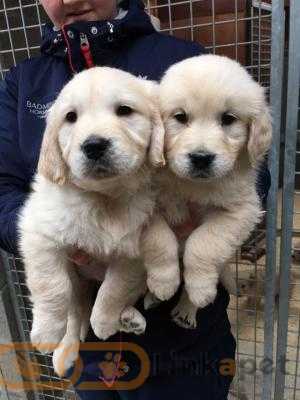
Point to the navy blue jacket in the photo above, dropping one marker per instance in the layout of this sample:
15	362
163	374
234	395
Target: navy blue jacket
130	44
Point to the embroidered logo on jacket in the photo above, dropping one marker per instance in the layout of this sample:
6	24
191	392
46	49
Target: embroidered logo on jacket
38	109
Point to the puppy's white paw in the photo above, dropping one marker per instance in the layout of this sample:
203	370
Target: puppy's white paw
103	330
150	301
132	321
45	337
185	317
64	357
165	283
104	326
184	314
201	293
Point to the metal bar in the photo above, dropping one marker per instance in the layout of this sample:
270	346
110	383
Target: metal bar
288	192
277	54
18	49
255	303
39	16
24	29
192	19
213	19
297	361
259	41
1	69
9	32
251	37
170	17
255	328
237	330
15	8
19	28
236	28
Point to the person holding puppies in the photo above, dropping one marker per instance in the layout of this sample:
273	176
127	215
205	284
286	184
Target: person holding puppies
87	33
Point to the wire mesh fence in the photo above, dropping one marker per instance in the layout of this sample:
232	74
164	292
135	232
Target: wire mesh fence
38	366
244	30
20	31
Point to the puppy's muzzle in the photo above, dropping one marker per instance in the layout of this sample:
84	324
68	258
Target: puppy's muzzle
95	148
201	162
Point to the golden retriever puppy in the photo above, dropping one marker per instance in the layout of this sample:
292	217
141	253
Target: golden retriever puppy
93	192
218	130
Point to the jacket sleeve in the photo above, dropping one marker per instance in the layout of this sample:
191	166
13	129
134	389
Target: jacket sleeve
263	183
14	180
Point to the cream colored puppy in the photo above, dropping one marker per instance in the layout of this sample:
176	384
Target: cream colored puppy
92	191
218	130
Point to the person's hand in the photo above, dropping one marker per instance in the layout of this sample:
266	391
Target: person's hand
79	257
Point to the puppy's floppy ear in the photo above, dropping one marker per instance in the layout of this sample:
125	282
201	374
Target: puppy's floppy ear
260	136
51	164
156	151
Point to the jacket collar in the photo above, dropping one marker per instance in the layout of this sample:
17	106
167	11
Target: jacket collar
104	37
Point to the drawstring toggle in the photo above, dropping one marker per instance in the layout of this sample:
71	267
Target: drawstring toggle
86	51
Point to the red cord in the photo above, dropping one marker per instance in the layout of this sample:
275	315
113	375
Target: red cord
85	50
69	50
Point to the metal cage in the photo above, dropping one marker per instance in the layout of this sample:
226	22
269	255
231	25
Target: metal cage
263	36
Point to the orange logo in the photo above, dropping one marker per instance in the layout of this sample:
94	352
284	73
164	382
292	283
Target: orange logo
111	368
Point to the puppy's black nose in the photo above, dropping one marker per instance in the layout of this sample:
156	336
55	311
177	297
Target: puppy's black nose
201	160
95	147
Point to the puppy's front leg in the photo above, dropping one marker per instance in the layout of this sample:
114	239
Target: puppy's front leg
66	353
159	249
212	245
48	274
124	283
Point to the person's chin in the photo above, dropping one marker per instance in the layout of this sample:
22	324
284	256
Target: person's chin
89	16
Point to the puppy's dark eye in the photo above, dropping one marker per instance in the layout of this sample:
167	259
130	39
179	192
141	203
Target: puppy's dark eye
123	111
71	117
228	119
181	117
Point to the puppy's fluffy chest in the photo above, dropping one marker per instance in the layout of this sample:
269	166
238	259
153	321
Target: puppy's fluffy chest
181	200
100	225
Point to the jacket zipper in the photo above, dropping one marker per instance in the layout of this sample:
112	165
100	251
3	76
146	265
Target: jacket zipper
111	31
86	51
